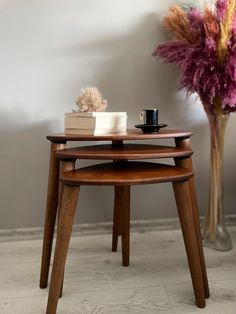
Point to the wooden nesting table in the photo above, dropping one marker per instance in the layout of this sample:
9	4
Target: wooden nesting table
118	148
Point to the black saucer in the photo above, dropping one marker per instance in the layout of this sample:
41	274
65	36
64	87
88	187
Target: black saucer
146	128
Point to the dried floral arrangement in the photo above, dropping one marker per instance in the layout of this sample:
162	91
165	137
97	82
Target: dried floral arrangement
204	48
90	100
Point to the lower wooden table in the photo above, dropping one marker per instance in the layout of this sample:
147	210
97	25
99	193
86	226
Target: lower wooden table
118	147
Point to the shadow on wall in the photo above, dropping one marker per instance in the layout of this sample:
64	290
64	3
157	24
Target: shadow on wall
24	166
130	78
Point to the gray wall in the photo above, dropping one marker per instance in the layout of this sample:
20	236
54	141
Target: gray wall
49	51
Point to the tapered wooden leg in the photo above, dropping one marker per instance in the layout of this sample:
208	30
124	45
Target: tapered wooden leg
67	165
69	202
187	163
125	225
116	231
187	220
198	232
121	222
50	215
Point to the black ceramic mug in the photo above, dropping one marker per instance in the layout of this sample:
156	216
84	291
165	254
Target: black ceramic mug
149	116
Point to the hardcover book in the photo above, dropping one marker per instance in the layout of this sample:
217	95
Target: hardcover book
95	114
96	120
94	131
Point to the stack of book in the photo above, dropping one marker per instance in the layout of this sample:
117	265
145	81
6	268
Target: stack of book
95	123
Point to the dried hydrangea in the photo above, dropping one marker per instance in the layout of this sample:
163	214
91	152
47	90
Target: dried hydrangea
90	100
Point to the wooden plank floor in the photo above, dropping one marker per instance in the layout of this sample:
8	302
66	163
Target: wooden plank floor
157	281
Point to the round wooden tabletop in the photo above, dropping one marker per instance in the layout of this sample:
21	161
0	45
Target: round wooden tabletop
130	134
129	173
123	152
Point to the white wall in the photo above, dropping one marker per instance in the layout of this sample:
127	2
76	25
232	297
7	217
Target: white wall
49	50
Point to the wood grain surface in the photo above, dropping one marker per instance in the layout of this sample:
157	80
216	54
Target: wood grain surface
130	134
50	213
125	174
125	151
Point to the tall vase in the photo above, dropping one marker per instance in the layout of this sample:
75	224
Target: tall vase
215	234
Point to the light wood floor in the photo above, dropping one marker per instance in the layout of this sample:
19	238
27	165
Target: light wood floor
157	281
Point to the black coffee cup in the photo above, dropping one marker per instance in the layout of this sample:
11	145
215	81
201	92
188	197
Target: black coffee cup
149	116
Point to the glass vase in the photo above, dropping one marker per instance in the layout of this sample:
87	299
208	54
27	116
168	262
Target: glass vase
215	234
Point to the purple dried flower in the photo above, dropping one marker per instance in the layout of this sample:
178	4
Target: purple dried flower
230	97
221	8
230	108
196	21
200	75
174	51
210	44
198	65
234	26
198	59
228	86
230	66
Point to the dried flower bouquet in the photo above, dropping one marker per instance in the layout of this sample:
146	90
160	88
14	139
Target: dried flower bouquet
203	46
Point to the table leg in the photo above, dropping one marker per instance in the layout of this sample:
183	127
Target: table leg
116	231
67	165
187	220
187	163
69	202
121	222
117	223
125	226
51	212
